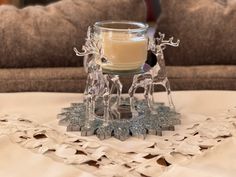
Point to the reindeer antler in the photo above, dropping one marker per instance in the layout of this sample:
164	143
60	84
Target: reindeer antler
159	44
91	46
163	43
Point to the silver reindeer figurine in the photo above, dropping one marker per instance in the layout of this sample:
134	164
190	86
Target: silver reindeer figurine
161	78
97	84
155	76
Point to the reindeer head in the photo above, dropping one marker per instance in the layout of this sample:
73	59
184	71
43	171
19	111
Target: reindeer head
92	45
92	51
157	45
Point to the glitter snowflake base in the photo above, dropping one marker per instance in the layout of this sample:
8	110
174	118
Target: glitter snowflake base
126	126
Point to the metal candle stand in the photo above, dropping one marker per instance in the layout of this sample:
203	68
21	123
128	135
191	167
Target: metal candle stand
106	114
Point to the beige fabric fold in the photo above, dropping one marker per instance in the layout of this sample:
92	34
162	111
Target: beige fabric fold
18	162
42	108
219	162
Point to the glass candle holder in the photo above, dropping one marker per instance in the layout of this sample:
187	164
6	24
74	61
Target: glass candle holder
124	44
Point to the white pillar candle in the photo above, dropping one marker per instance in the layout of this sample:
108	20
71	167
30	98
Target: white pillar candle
124	51
124	44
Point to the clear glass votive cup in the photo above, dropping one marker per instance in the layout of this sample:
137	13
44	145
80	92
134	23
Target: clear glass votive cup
124	44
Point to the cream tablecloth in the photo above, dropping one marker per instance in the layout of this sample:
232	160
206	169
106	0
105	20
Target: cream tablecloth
211	160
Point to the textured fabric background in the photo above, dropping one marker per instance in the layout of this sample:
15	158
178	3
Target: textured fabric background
206	28
44	36
72	79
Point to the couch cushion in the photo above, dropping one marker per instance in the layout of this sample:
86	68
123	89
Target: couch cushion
44	36
71	79
42	79
68	79
206	29
202	77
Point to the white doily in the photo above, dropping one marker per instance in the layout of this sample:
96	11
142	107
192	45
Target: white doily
134	157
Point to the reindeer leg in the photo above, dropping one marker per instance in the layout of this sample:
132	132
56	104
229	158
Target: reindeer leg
132	91
119	88
90	84
151	98
106	114
90	110
131	97
116	105
151	94
87	111
146	95
106	100
116	84
93	103
112	91
168	90
113	107
112	88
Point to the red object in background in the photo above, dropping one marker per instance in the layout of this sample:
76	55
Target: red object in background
153	9
150	14
4	2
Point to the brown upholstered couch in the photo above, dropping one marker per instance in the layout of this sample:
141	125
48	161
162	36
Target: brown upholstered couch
36	53
36	43
206	58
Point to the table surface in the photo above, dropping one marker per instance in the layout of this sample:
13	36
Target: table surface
44	107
